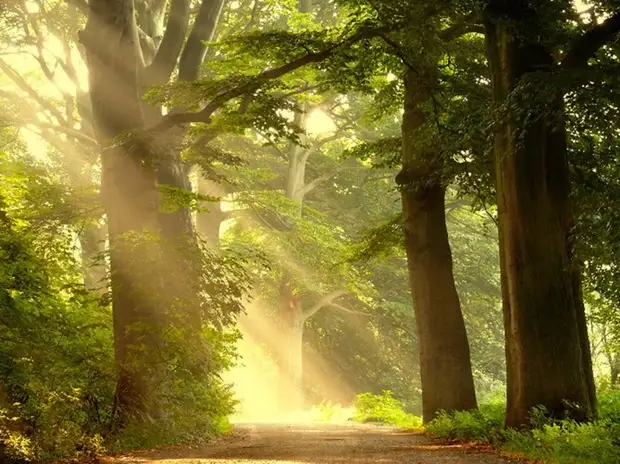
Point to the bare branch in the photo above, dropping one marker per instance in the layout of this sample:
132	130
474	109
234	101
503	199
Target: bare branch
346	310
318	181
23	85
327	300
70	132
31	119
39	41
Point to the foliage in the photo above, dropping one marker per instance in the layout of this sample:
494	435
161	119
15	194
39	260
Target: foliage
57	368
561	441
384	409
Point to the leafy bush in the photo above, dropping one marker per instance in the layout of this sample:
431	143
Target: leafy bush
483	425
561	442
384	409
57	367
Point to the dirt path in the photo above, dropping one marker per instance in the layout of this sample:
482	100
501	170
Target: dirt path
317	443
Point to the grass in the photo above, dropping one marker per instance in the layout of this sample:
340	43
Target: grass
559	442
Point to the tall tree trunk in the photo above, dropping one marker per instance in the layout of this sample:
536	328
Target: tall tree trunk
130	198
289	348
548	353
445	366
290	310
172	171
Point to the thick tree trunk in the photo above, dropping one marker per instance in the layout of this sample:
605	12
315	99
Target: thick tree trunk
548	354
130	198
445	365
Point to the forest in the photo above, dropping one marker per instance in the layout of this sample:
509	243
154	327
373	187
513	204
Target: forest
219	209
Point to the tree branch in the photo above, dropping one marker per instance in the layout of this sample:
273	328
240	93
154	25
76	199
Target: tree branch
68	131
586	46
146	41
23	85
205	114
253	17
310	186
167	55
203	31
346	310
464	26
398	50
31	119
327	300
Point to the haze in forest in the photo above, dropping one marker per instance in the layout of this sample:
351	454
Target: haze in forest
217	212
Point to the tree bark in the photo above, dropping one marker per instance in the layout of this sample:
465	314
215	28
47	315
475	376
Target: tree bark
548	353
445	365
174	172
130	198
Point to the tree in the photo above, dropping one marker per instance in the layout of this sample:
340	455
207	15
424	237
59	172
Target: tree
548	354
428	158
71	149
445	366
130	197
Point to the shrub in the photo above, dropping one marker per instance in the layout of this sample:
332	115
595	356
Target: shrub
483	425
561	442
384	409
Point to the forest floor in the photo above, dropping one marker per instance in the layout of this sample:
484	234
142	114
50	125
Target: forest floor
318	443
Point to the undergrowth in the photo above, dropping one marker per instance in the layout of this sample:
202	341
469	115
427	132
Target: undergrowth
554	441
551	441
384	409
